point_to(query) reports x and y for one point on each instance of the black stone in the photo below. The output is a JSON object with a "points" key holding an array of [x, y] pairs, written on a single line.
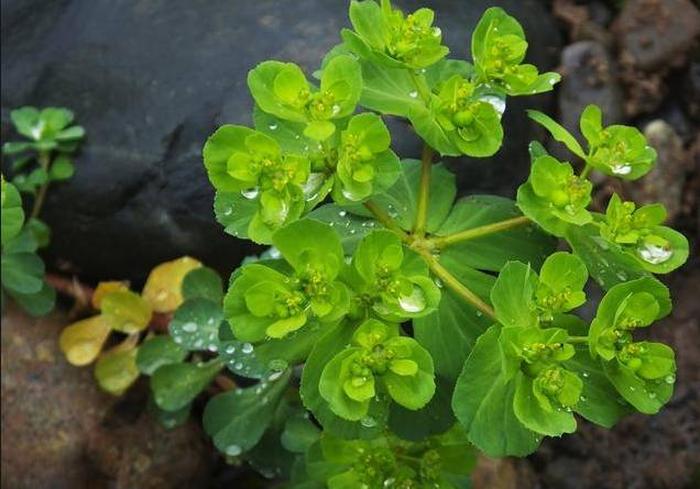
{"points": [[150, 80]]}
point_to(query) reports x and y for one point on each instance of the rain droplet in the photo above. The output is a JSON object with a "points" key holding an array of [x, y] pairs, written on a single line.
{"points": [[272, 126], [233, 450], [496, 102], [670, 379], [238, 366], [247, 348], [654, 254], [250, 193], [621, 169], [189, 327], [437, 32], [213, 348], [228, 211], [368, 422], [414, 302], [230, 349], [342, 213], [413, 94]]}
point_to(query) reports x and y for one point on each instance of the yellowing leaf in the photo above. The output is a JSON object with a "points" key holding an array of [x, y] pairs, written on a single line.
{"points": [[126, 311], [104, 288], [81, 342], [162, 289], [116, 369]]}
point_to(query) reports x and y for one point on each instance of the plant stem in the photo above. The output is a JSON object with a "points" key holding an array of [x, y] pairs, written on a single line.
{"points": [[423, 191], [455, 285], [421, 86], [478, 232], [384, 218], [577, 339], [586, 170], [44, 161]]}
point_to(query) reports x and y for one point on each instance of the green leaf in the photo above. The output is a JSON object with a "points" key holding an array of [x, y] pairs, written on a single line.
{"points": [[26, 121], [646, 396], [126, 311], [266, 89], [169, 419], [217, 151], [195, 325], [605, 262], [387, 90], [350, 227], [307, 240], [558, 132], [299, 433], [524, 243], [434, 418], [12, 213], [426, 125], [203, 283], [62, 168], [599, 402], [71, 134], [237, 419], [175, 385], [513, 295], [332, 342], [483, 403], [158, 351], [290, 135], [38, 303], [116, 370], [234, 212], [450, 333], [400, 201], [22, 272], [554, 422]]}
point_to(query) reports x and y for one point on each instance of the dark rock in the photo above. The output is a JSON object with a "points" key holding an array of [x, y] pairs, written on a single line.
{"points": [[151, 80], [589, 77], [691, 89], [656, 33], [59, 431]]}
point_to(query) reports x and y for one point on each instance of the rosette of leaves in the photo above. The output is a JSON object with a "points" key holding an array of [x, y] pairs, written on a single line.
{"points": [[639, 233], [272, 300], [466, 121], [365, 164], [443, 461], [498, 50], [617, 151], [554, 196], [389, 281], [377, 360], [642, 372], [112, 339], [390, 38], [249, 163], [281, 89], [22, 268], [45, 154]]}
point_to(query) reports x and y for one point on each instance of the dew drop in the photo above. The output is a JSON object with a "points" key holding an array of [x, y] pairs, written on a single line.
{"points": [[368, 422], [213, 348], [272, 126], [497, 103], [247, 348], [621, 169], [654, 254], [670, 379], [414, 302], [413, 94], [189, 327], [233, 450], [238, 366], [342, 213], [250, 193], [228, 211], [230, 349]]}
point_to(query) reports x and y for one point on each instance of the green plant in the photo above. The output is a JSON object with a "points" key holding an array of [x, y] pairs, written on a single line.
{"points": [[43, 158], [390, 328]]}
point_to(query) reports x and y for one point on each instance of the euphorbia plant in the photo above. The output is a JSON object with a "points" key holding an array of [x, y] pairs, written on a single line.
{"points": [[420, 323]]}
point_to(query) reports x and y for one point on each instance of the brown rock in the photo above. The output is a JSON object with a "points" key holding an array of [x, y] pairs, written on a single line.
{"points": [[60, 432], [665, 183], [657, 33]]}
